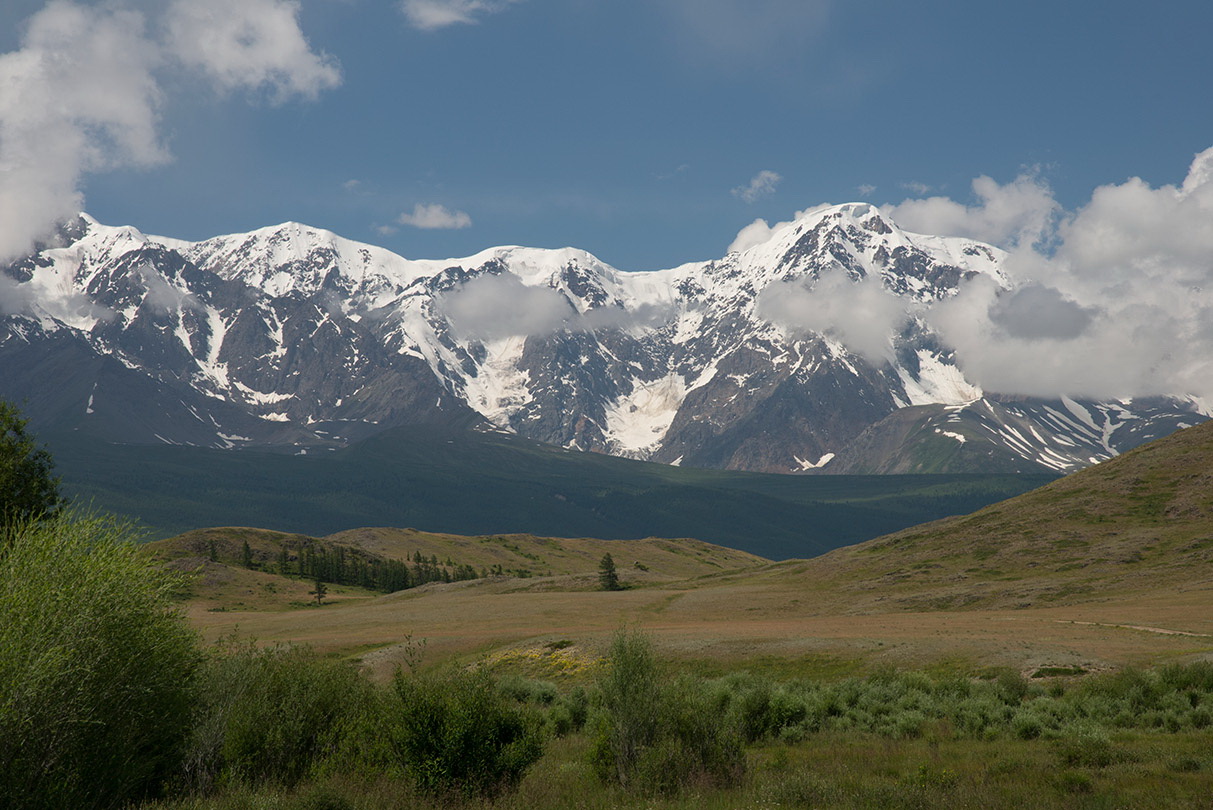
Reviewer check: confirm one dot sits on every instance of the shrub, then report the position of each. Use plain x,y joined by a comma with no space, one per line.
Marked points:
457,733
28,489
656,739
273,715
96,667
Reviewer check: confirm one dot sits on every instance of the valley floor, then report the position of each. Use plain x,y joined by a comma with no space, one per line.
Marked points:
770,622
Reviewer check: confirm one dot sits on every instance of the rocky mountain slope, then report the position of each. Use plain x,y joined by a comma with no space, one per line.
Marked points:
294,337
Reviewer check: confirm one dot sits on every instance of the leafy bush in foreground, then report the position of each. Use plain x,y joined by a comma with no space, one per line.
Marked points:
273,715
457,733
659,738
96,668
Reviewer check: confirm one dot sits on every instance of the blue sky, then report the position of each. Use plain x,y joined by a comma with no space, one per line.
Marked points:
633,128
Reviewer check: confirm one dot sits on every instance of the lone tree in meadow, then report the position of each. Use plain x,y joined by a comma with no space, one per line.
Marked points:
28,489
608,577
320,591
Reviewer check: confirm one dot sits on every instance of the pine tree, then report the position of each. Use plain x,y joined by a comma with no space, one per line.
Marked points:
608,577
320,591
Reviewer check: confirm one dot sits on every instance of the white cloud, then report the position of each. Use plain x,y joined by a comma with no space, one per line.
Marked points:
249,44
495,306
82,93
866,190
1114,300
430,15
760,185
1018,213
435,217
79,96
490,307
861,314
751,235
758,231
1122,306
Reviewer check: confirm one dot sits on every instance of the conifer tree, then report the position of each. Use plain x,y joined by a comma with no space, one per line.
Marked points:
608,577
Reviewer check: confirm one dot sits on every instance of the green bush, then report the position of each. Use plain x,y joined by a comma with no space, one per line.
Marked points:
274,715
456,733
28,489
659,739
96,668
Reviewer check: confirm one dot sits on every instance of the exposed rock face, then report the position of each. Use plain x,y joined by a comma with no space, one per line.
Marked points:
292,336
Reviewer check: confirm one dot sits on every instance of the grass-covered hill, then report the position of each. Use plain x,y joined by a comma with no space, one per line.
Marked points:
1140,524
257,569
480,484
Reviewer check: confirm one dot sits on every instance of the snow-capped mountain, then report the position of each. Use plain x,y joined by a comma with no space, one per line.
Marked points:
292,336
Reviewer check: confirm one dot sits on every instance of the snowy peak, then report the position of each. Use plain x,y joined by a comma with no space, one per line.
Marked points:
292,335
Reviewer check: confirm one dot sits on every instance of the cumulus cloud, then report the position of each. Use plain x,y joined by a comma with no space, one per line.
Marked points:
79,96
752,235
861,314
435,217
430,15
758,231
249,44
82,93
489,307
760,185
1120,306
496,306
1018,213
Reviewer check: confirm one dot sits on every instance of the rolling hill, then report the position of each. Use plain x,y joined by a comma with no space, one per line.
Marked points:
1141,523
1108,567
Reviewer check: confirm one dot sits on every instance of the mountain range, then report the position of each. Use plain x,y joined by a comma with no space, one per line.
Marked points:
293,338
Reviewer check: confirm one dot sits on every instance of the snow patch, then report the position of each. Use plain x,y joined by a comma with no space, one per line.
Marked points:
810,465
937,383
637,422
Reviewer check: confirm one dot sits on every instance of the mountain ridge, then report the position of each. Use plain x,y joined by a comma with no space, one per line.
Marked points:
293,336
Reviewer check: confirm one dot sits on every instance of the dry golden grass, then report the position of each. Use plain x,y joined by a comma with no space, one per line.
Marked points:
1108,567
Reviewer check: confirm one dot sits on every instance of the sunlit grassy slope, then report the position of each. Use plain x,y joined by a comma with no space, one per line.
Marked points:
1138,524
479,484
